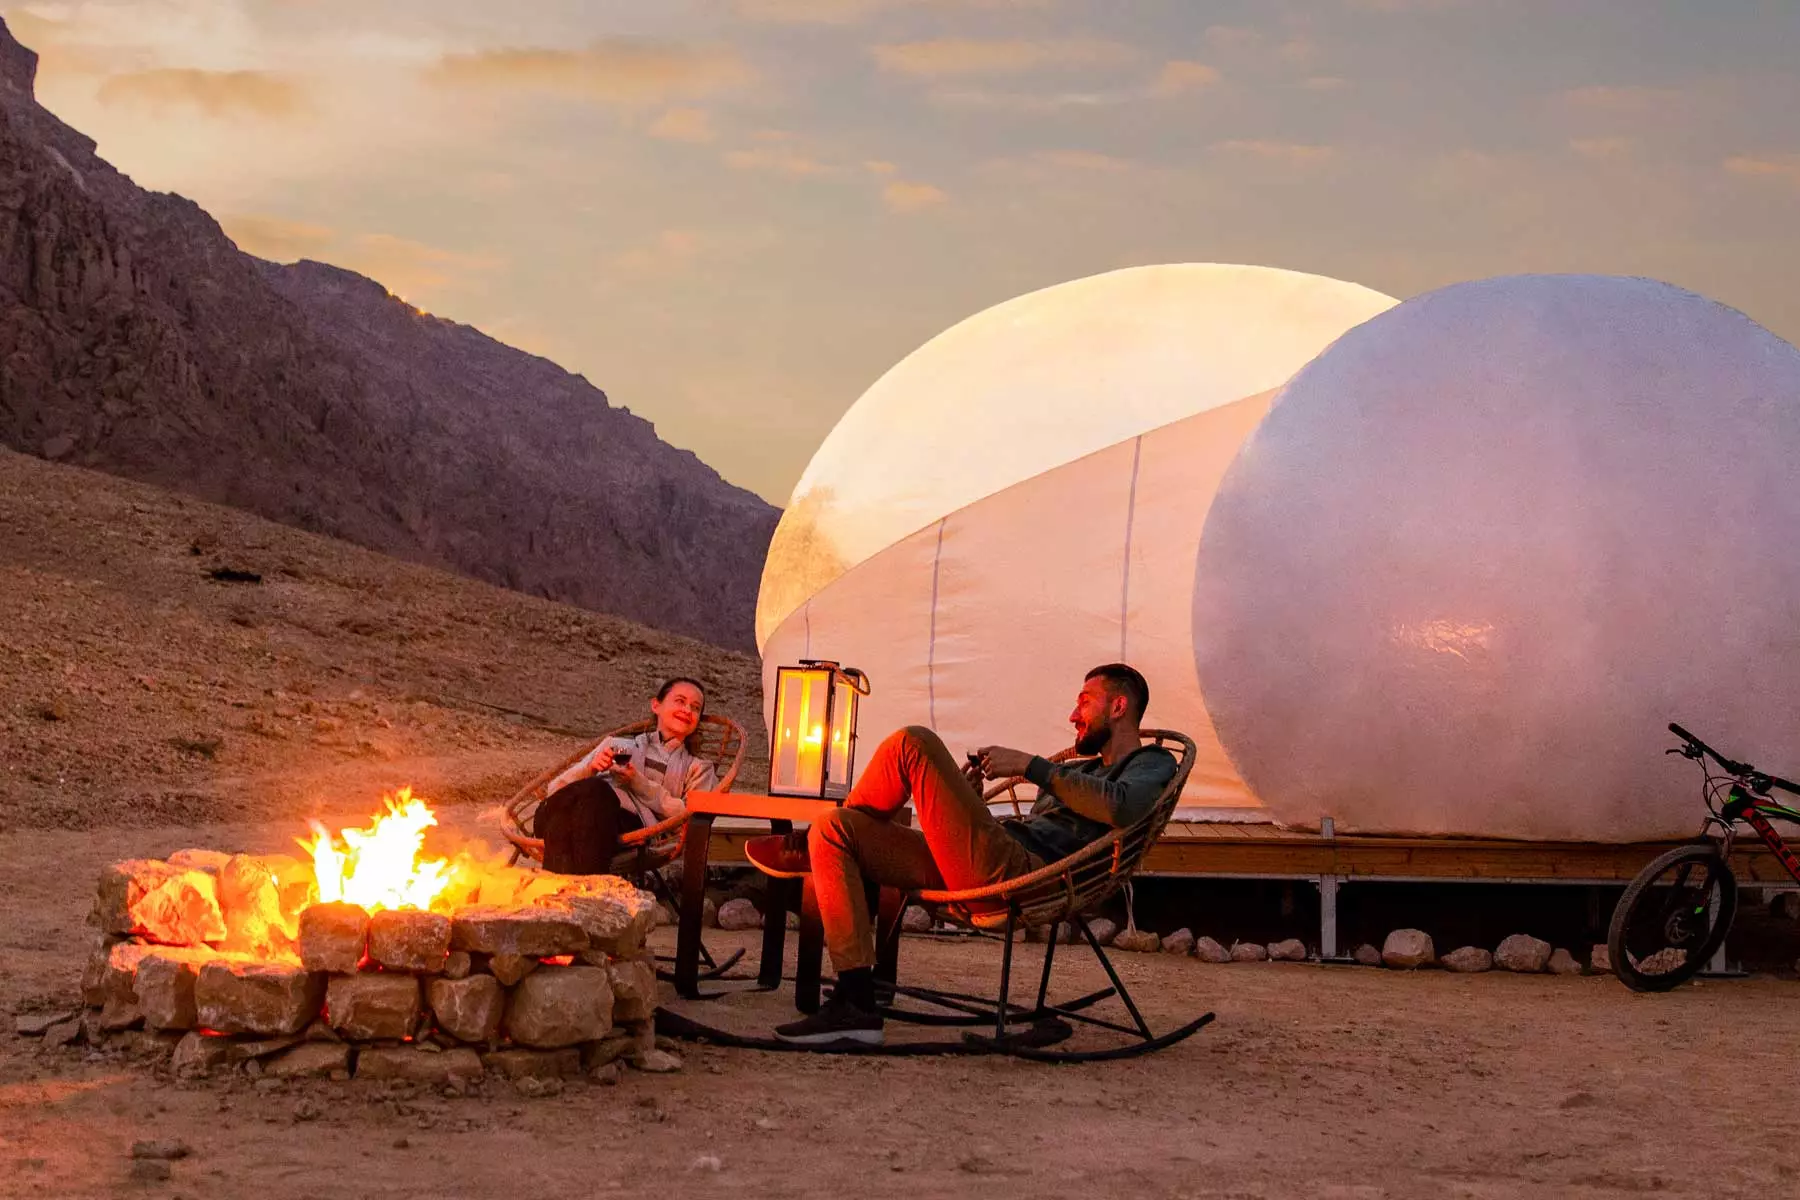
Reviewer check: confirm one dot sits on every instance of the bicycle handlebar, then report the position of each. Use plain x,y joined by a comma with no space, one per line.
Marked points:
1736,768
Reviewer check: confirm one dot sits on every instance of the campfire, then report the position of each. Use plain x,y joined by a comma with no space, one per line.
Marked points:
364,956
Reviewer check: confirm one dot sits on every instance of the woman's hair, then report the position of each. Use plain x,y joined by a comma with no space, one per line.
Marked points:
662,693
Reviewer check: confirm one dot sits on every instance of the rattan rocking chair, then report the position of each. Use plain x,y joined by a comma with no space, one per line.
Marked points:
1064,891
642,852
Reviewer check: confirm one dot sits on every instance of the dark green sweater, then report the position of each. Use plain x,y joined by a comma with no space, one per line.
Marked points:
1084,801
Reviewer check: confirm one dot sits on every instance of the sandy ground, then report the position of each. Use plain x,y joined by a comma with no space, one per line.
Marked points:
1314,1081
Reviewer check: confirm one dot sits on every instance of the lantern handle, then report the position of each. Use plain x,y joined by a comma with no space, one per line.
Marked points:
857,678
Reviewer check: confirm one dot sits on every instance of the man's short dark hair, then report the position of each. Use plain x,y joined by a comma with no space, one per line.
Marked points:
1125,681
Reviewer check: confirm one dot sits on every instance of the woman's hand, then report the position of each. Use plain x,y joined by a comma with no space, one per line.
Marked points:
603,761
627,774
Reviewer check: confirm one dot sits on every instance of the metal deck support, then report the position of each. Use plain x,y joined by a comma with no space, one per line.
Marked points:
1328,894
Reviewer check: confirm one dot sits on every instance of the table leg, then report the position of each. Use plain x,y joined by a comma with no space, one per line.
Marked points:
812,951
693,904
775,921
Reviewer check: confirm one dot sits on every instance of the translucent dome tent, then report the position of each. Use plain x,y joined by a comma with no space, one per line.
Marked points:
1021,499
1488,544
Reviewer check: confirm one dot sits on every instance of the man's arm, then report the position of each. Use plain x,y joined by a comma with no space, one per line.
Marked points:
1116,802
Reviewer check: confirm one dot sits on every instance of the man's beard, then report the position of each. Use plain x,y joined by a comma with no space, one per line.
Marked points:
1094,740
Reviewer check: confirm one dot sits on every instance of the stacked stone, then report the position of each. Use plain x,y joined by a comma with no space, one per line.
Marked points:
553,982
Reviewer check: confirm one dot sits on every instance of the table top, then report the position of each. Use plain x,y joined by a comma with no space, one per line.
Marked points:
750,804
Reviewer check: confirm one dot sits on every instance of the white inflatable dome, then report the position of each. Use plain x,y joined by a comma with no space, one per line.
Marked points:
1021,500
1036,382
1491,542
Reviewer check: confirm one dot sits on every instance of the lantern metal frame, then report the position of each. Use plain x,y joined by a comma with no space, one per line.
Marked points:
828,787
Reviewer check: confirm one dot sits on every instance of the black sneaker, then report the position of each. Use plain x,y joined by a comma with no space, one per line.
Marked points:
838,1020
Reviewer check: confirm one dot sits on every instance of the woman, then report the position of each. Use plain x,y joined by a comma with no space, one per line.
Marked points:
625,784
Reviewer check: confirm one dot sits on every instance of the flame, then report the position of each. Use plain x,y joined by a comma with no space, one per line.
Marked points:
379,866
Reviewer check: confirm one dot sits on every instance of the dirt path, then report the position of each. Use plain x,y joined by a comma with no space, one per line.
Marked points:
1314,1081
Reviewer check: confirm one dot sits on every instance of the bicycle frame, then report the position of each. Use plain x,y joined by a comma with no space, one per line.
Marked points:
1755,811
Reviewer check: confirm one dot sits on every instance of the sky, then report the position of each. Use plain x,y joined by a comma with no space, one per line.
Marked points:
735,215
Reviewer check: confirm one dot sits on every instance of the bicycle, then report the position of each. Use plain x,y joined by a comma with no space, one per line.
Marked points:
1662,938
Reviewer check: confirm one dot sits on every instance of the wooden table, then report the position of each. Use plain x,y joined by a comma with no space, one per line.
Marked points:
782,813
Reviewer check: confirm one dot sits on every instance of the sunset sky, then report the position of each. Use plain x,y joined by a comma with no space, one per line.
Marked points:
734,215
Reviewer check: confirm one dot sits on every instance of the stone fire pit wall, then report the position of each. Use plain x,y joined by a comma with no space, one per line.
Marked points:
223,958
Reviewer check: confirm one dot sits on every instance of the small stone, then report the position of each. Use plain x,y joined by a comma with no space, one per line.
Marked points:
519,1063
1366,955
333,937
915,920
1288,950
165,987
1104,930
182,910
1522,952
1248,952
656,1062
407,939
310,1060
458,965
1209,951
1179,942
168,1150
1408,948
1467,960
248,997
1600,959
528,932
308,1109
634,990
460,1065
373,1007
533,1088
510,968
608,1050
1563,963
562,1007
468,1009
710,1163
63,1033
209,861
616,914
200,1054
739,914
1140,941
607,1075
122,886
150,1170
34,1024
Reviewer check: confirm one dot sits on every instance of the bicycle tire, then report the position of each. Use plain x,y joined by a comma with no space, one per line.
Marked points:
1637,892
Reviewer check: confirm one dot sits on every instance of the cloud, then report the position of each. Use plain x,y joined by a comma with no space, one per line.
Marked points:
1784,167
848,12
413,269
778,159
672,252
1084,160
616,71
276,238
214,93
967,56
1601,148
1293,154
876,166
904,196
684,125
1624,101
1181,75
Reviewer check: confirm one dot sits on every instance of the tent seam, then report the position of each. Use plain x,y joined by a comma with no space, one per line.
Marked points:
1137,453
937,558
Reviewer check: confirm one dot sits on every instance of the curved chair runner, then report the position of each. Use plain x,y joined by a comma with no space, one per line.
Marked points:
642,852
1063,891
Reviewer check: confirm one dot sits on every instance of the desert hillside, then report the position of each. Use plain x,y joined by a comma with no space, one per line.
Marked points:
135,338
147,678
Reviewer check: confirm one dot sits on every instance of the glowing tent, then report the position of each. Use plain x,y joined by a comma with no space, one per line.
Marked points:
1022,498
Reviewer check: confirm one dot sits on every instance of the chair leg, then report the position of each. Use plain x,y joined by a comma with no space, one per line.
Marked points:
1005,974
1118,984
1044,981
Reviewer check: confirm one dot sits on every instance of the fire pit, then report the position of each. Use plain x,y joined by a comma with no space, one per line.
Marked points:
364,957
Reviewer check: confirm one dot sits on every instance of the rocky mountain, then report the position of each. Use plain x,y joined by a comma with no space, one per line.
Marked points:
135,338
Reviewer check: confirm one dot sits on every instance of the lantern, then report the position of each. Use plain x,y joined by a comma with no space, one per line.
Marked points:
813,743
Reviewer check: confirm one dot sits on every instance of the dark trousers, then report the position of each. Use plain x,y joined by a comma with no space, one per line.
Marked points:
581,824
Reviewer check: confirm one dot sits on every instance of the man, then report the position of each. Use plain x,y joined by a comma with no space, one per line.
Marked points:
958,844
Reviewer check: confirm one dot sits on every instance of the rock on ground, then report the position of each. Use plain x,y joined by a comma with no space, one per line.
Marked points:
1563,963
1104,930
1600,959
1208,950
1288,950
1179,942
1522,952
374,1006
516,1063
915,920
468,1009
1405,949
561,1006
634,989
1248,952
409,940
739,914
333,937
1366,955
266,998
1140,940
309,1060
458,1065
1467,960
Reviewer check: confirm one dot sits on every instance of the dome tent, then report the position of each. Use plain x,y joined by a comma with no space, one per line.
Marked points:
1022,499
1488,544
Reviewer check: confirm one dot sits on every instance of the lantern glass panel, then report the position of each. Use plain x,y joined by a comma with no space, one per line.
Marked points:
798,759
843,737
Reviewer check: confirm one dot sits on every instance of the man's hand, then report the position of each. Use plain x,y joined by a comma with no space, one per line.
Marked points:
999,762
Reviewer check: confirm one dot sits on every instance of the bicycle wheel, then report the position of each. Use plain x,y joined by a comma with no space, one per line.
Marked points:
1672,918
